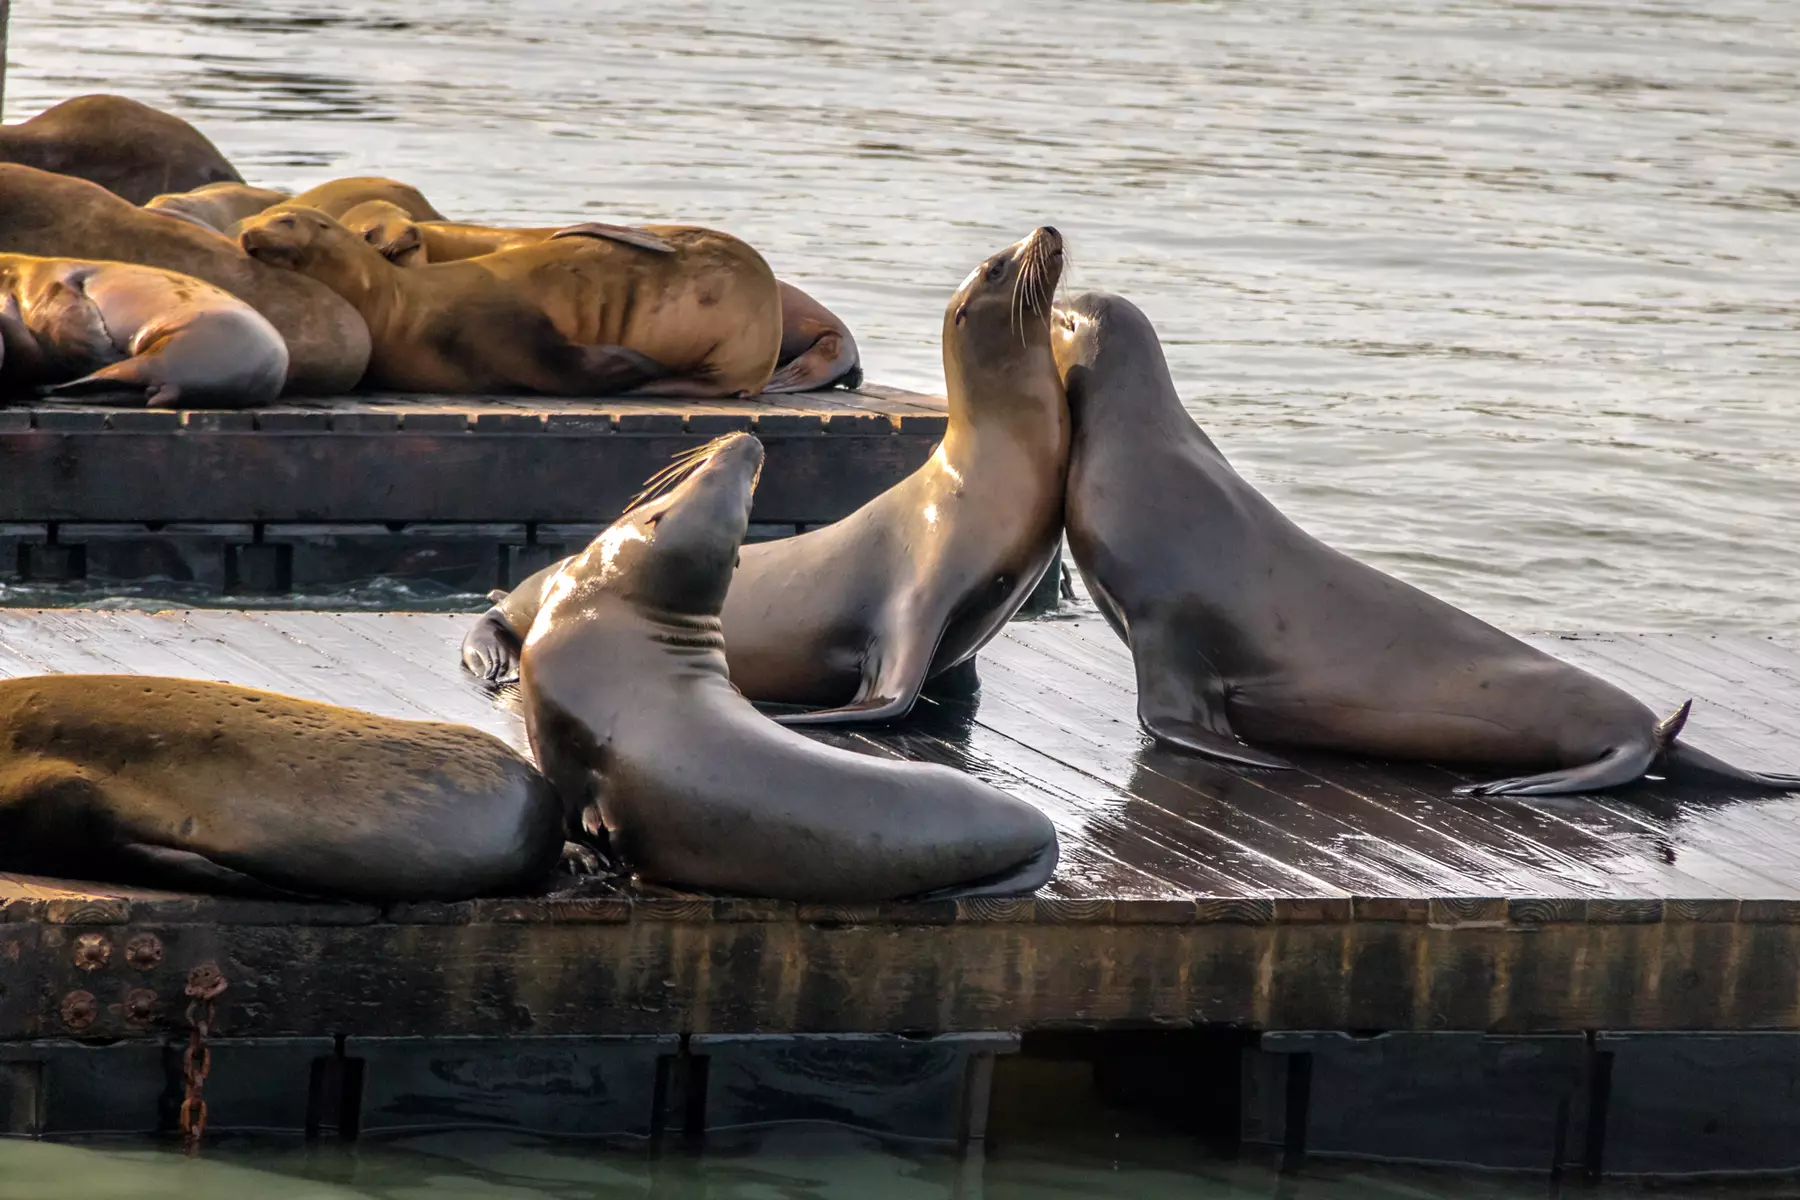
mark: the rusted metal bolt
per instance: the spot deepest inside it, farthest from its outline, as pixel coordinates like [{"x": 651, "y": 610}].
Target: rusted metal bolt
[
  {"x": 79, "y": 1010},
  {"x": 140, "y": 1005},
  {"x": 91, "y": 951},
  {"x": 144, "y": 951}
]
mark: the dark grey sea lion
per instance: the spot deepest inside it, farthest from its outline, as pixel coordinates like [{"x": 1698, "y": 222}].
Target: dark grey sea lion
[
  {"x": 632, "y": 714},
  {"x": 212, "y": 787},
  {"x": 1243, "y": 626}
]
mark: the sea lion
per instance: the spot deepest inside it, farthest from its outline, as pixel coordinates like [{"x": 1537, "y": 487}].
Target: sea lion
[
  {"x": 630, "y": 709},
  {"x": 130, "y": 149},
  {"x": 857, "y": 617},
  {"x": 339, "y": 196},
  {"x": 670, "y": 310},
  {"x": 220, "y": 788},
  {"x": 1243, "y": 626},
  {"x": 55, "y": 216},
  {"x": 217, "y": 206},
  {"x": 95, "y": 328},
  {"x": 817, "y": 348}
]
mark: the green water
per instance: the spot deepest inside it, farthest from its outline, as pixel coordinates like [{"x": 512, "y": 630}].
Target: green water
[{"x": 784, "y": 1163}]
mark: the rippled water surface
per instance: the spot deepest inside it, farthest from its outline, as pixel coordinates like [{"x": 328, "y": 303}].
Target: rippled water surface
[{"x": 1505, "y": 297}]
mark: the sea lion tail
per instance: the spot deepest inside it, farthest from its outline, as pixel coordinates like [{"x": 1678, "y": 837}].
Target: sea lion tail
[{"x": 1679, "y": 761}]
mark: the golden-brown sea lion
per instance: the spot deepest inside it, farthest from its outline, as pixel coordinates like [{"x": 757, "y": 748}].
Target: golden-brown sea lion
[
  {"x": 857, "y": 616},
  {"x": 130, "y": 149},
  {"x": 1244, "y": 626},
  {"x": 338, "y": 197},
  {"x": 630, "y": 709},
  {"x": 217, "y": 206},
  {"x": 56, "y": 216},
  {"x": 817, "y": 347},
  {"x": 221, "y": 788},
  {"x": 106, "y": 328},
  {"x": 669, "y": 310}
]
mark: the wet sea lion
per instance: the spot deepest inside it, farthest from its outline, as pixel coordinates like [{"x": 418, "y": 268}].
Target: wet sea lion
[
  {"x": 56, "y": 216},
  {"x": 631, "y": 711},
  {"x": 220, "y": 788},
  {"x": 130, "y": 149},
  {"x": 217, "y": 206},
  {"x": 859, "y": 615},
  {"x": 1242, "y": 625},
  {"x": 670, "y": 310},
  {"x": 105, "y": 328},
  {"x": 817, "y": 348}
]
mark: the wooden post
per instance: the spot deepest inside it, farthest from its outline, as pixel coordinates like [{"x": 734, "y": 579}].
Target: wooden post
[{"x": 5, "y": 17}]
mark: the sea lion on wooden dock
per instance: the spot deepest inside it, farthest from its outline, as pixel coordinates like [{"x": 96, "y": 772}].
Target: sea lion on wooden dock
[
  {"x": 212, "y": 787},
  {"x": 99, "y": 329},
  {"x": 631, "y": 712},
  {"x": 817, "y": 348},
  {"x": 56, "y": 216},
  {"x": 853, "y": 619},
  {"x": 217, "y": 206},
  {"x": 668, "y": 311},
  {"x": 130, "y": 149},
  {"x": 1244, "y": 626}
]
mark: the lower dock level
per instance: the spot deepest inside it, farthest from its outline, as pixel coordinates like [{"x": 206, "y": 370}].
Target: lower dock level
[{"x": 1345, "y": 959}]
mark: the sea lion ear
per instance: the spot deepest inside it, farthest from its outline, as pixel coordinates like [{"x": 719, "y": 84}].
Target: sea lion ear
[
  {"x": 962, "y": 311},
  {"x": 372, "y": 235}
]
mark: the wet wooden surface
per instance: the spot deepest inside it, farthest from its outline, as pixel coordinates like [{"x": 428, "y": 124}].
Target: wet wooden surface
[{"x": 1054, "y": 723}]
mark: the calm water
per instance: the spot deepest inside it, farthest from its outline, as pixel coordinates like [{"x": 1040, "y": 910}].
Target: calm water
[{"x": 1504, "y": 297}]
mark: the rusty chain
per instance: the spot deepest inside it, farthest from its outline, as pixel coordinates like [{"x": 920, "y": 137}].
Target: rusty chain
[{"x": 204, "y": 986}]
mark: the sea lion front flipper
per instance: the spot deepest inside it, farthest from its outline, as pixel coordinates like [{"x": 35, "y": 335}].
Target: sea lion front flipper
[
  {"x": 624, "y": 234},
  {"x": 491, "y": 649},
  {"x": 184, "y": 870},
  {"x": 605, "y": 370},
  {"x": 891, "y": 683},
  {"x": 1617, "y": 767},
  {"x": 1181, "y": 699}
]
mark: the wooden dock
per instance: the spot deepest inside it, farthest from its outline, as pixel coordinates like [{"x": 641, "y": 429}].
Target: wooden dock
[
  {"x": 468, "y": 492},
  {"x": 1304, "y": 912}
]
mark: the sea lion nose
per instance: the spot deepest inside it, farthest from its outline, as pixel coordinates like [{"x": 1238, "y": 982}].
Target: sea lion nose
[{"x": 1052, "y": 231}]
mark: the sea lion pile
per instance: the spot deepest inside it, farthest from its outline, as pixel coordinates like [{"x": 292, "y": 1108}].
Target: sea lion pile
[{"x": 641, "y": 660}]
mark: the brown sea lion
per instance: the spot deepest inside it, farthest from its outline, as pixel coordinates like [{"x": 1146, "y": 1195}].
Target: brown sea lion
[
  {"x": 105, "y": 328},
  {"x": 214, "y": 787},
  {"x": 339, "y": 196},
  {"x": 55, "y": 216},
  {"x": 217, "y": 206},
  {"x": 1242, "y": 625},
  {"x": 857, "y": 616},
  {"x": 817, "y": 348},
  {"x": 670, "y": 310},
  {"x": 630, "y": 708},
  {"x": 130, "y": 149}
]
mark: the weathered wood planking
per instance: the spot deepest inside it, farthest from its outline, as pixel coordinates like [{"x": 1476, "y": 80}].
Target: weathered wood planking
[
  {"x": 1055, "y": 724},
  {"x": 392, "y": 459},
  {"x": 1348, "y": 895}
]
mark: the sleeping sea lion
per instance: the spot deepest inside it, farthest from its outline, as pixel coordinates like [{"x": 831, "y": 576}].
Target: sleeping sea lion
[
  {"x": 56, "y": 216},
  {"x": 670, "y": 310},
  {"x": 817, "y": 348},
  {"x": 130, "y": 149},
  {"x": 630, "y": 709},
  {"x": 217, "y": 206},
  {"x": 1243, "y": 626},
  {"x": 92, "y": 329},
  {"x": 211, "y": 787},
  {"x": 857, "y": 617}
]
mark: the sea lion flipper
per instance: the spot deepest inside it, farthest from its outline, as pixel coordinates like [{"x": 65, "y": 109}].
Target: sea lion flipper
[
  {"x": 624, "y": 234},
  {"x": 490, "y": 650},
  {"x": 1620, "y": 765},
  {"x": 185, "y": 870},
  {"x": 893, "y": 677},
  {"x": 1680, "y": 759},
  {"x": 1181, "y": 697},
  {"x": 603, "y": 370},
  {"x": 1197, "y": 739}
]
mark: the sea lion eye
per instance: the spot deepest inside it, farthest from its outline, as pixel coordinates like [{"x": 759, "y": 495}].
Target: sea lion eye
[{"x": 996, "y": 270}]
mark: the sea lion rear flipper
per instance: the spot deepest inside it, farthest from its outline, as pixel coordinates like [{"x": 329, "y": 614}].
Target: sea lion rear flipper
[
  {"x": 1683, "y": 760},
  {"x": 623, "y": 234},
  {"x": 1619, "y": 766},
  {"x": 826, "y": 363}
]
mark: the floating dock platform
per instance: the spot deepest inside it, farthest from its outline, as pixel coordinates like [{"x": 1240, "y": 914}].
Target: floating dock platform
[
  {"x": 1346, "y": 959},
  {"x": 467, "y": 492}
]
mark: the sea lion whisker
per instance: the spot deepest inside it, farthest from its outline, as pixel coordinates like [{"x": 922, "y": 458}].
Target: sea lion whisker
[{"x": 670, "y": 477}]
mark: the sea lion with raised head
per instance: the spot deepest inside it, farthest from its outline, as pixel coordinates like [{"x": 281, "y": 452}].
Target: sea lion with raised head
[
  {"x": 217, "y": 206},
  {"x": 1244, "y": 626},
  {"x": 853, "y": 619},
  {"x": 56, "y": 216},
  {"x": 130, "y": 149},
  {"x": 817, "y": 348},
  {"x": 668, "y": 310},
  {"x": 629, "y": 705},
  {"x": 85, "y": 330},
  {"x": 212, "y": 787}
]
